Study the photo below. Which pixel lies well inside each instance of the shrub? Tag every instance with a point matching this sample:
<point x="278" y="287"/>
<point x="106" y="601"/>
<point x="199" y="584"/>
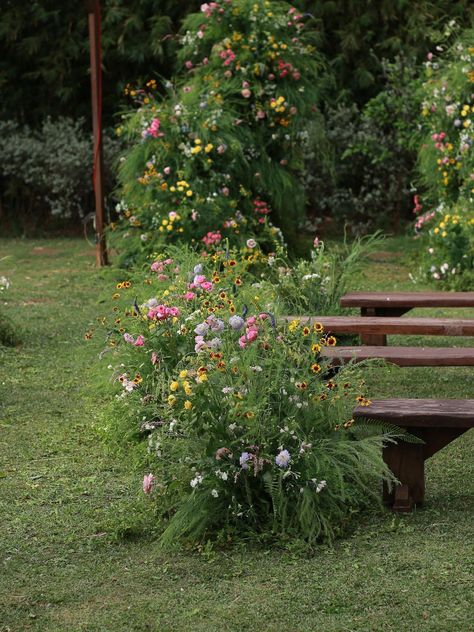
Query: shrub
<point x="364" y="181"/>
<point x="47" y="172"/>
<point x="221" y="154"/>
<point x="247" y="433"/>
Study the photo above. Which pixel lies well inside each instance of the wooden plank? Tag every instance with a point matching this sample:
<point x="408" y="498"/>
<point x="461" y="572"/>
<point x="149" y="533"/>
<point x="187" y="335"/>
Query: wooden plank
<point x="408" y="299"/>
<point x="403" y="356"/>
<point x="394" y="325"/>
<point x="420" y="413"/>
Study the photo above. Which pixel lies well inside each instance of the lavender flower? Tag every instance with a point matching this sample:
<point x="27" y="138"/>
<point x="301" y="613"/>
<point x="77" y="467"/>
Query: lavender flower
<point x="236" y="322"/>
<point x="244" y="457"/>
<point x="202" y="329"/>
<point x="282" y="458"/>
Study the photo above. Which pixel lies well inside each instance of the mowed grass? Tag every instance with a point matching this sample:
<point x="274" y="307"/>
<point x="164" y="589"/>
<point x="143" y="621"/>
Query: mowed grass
<point x="62" y="496"/>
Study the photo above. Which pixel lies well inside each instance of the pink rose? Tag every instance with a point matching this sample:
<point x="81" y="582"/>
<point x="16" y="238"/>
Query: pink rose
<point x="207" y="286"/>
<point x="189" y="296"/>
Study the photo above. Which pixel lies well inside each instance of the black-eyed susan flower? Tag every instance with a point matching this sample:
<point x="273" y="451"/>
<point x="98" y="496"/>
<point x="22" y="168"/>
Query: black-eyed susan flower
<point x="315" y="348"/>
<point x="306" y="331"/>
<point x="318" y="328"/>
<point x="331" y="341"/>
<point x="315" y="367"/>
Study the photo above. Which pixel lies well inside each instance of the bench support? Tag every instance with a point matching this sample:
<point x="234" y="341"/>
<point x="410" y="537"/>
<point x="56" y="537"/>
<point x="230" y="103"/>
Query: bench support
<point x="407" y="462"/>
<point x="379" y="340"/>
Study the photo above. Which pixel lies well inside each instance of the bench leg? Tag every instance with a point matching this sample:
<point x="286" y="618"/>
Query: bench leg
<point x="376" y="340"/>
<point x="406" y="461"/>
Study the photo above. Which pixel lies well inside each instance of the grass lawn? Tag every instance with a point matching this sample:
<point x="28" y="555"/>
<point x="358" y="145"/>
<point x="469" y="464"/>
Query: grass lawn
<point x="62" y="569"/>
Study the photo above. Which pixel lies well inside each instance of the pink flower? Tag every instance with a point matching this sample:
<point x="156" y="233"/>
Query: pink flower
<point x="167" y="170"/>
<point x="148" y="481"/>
<point x="128" y="338"/>
<point x="261" y="114"/>
<point x="200" y="343"/>
<point x="207" y="286"/>
<point x="154" y="358"/>
<point x="140" y="341"/>
<point x="198" y="279"/>
<point x="316" y="242"/>
<point x="189" y="296"/>
<point x="246" y="93"/>
<point x="188" y="64"/>
<point x="162" y="277"/>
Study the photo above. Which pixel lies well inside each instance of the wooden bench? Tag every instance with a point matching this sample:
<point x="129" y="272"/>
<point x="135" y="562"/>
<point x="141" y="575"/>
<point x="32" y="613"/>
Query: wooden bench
<point x="390" y="325"/>
<point x="394" y="304"/>
<point x="402" y="356"/>
<point x="435" y="422"/>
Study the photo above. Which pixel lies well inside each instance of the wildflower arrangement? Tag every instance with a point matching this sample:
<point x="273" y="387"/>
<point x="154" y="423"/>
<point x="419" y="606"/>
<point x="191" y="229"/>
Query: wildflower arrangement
<point x="446" y="165"/>
<point x="248" y="432"/>
<point x="217" y="153"/>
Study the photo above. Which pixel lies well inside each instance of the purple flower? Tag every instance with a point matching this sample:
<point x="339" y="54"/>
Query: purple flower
<point x="282" y="458"/>
<point x="201" y="329"/>
<point x="244" y="457"/>
<point x="236" y="322"/>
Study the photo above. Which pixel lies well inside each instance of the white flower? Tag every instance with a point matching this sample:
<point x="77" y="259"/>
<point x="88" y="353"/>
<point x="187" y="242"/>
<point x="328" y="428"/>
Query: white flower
<point x="196" y="481"/>
<point x="215" y="493"/>
<point x="251" y="243"/>
<point x="320" y="486"/>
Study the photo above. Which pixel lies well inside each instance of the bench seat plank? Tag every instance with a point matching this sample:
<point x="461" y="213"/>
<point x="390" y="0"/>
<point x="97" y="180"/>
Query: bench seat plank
<point x="421" y="413"/>
<point x="403" y="356"/>
<point x="408" y="300"/>
<point x="394" y="325"/>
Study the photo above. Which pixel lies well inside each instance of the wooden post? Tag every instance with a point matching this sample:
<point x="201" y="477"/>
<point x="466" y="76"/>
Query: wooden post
<point x="93" y="10"/>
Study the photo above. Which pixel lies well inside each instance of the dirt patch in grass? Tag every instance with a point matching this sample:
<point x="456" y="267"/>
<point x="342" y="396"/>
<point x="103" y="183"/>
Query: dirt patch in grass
<point x="43" y="250"/>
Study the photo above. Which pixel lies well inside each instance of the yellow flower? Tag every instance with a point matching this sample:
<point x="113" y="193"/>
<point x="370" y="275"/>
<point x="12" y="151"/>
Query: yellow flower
<point x="189" y="193"/>
<point x="171" y="399"/>
<point x="209" y="147"/>
<point x="293" y="325"/>
<point x="174" y="386"/>
<point x="188" y="405"/>
<point x="183" y="374"/>
<point x="201" y="378"/>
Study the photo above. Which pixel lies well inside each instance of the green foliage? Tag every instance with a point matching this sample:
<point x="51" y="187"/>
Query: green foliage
<point x="357" y="36"/>
<point x="37" y="78"/>
<point x="366" y="178"/>
<point x="223" y="149"/>
<point x="315" y="286"/>
<point x="46" y="172"/>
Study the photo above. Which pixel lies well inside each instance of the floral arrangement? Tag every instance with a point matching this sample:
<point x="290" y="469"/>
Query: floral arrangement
<point x="248" y="431"/>
<point x="446" y="165"/>
<point x="217" y="153"/>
